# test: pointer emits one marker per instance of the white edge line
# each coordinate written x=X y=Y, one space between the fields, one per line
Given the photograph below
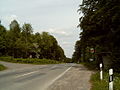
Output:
x=57 y=77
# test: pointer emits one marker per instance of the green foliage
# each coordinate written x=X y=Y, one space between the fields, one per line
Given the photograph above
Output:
x=29 y=60
x=100 y=30
x=2 y=40
x=68 y=60
x=76 y=57
x=2 y=67
x=97 y=84
x=20 y=42
x=46 y=46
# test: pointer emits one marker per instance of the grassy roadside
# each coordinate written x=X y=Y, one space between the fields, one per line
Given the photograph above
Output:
x=2 y=67
x=97 y=84
x=29 y=61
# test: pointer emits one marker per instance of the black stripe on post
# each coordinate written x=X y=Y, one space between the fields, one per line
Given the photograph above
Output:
x=110 y=78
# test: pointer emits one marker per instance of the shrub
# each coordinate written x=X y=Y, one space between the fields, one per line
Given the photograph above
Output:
x=29 y=60
x=2 y=67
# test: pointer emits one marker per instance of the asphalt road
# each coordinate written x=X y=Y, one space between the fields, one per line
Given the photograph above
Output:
x=31 y=77
x=77 y=78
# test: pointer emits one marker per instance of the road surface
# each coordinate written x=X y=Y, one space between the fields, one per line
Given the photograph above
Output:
x=31 y=77
x=44 y=77
x=77 y=78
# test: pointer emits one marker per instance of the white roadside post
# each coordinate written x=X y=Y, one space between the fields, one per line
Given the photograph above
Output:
x=101 y=72
x=110 y=79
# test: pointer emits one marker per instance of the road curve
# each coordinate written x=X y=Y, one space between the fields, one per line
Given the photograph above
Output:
x=31 y=77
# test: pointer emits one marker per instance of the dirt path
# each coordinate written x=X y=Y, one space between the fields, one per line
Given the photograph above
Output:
x=77 y=78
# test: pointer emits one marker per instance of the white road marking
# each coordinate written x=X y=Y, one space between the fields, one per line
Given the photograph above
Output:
x=53 y=66
x=57 y=78
x=26 y=74
x=31 y=72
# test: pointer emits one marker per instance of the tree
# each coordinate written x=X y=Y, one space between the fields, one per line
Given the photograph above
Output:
x=12 y=37
x=100 y=27
x=48 y=47
x=2 y=40
x=27 y=31
x=77 y=54
x=20 y=42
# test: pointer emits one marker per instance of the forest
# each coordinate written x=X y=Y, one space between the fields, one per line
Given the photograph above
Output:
x=100 y=34
x=21 y=42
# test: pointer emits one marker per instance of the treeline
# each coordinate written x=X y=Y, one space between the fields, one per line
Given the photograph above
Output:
x=20 y=42
x=100 y=25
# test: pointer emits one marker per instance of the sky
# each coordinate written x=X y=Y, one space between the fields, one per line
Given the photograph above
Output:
x=58 y=17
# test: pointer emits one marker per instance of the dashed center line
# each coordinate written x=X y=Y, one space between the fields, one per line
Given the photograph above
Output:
x=27 y=74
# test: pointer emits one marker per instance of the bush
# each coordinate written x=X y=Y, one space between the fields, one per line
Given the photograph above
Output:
x=29 y=60
x=2 y=67
x=6 y=58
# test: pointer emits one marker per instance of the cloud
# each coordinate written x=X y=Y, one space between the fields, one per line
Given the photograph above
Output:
x=56 y=31
x=66 y=43
x=11 y=18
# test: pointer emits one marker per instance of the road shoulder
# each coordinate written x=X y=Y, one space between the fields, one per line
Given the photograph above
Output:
x=77 y=78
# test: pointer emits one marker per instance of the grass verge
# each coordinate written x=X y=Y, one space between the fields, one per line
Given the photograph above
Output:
x=97 y=84
x=2 y=67
x=29 y=61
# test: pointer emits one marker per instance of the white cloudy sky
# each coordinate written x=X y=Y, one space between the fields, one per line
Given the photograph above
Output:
x=58 y=17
